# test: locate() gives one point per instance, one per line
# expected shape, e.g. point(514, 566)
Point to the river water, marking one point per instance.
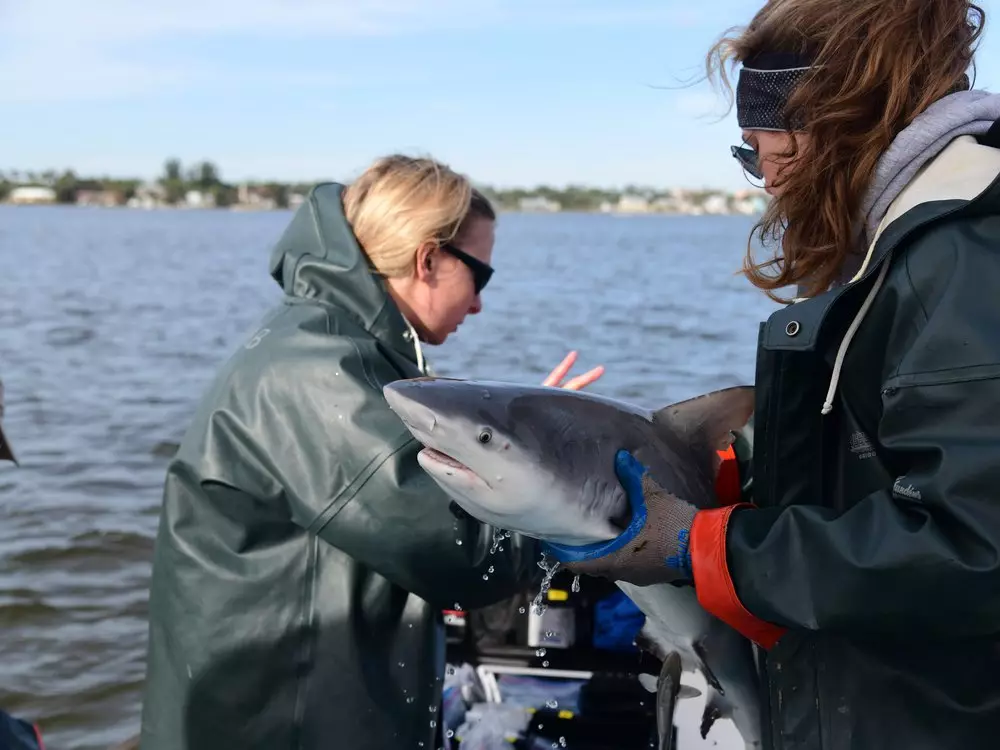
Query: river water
point(112, 322)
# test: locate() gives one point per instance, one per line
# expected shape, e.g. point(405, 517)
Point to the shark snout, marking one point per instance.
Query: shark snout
point(415, 415)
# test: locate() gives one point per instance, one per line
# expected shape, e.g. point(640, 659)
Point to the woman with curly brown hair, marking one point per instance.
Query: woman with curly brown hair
point(863, 555)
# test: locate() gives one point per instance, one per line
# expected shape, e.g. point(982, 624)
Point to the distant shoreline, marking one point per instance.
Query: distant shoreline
point(201, 186)
point(239, 209)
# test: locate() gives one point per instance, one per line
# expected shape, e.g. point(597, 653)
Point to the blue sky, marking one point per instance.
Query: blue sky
point(512, 92)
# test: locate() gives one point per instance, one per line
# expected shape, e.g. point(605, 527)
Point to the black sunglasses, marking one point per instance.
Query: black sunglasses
point(748, 159)
point(481, 272)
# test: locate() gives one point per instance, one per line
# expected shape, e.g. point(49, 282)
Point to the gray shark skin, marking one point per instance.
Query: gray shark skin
point(539, 461)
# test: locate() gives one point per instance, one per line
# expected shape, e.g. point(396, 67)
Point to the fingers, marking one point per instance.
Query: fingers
point(555, 377)
point(626, 462)
point(629, 470)
point(582, 381)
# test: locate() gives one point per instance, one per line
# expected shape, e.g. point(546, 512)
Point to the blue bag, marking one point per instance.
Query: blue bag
point(617, 621)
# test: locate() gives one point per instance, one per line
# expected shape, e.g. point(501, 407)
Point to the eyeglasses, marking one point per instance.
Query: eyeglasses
point(748, 159)
point(481, 272)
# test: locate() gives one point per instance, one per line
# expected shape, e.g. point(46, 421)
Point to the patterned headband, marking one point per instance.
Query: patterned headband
point(765, 85)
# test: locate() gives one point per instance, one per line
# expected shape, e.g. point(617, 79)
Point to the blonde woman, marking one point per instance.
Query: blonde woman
point(303, 556)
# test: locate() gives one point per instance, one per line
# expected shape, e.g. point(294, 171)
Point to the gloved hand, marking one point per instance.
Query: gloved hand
point(654, 547)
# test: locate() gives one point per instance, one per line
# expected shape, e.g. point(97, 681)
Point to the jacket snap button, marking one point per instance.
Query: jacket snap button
point(792, 329)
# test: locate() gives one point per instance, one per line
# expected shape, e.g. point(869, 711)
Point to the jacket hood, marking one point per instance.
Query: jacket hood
point(958, 114)
point(319, 258)
point(961, 113)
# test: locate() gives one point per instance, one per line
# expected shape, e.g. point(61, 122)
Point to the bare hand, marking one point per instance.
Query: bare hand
point(579, 382)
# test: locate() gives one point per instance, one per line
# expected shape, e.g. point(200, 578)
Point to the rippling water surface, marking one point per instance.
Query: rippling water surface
point(112, 322)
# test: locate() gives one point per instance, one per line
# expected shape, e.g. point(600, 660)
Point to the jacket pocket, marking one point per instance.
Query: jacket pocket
point(950, 376)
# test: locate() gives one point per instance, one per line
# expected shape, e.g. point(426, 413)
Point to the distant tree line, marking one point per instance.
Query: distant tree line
point(582, 198)
point(571, 198)
point(177, 181)
point(66, 185)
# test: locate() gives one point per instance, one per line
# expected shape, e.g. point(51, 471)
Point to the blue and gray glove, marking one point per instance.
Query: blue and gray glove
point(655, 546)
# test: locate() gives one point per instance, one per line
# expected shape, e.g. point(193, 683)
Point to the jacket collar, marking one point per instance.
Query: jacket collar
point(319, 258)
point(966, 173)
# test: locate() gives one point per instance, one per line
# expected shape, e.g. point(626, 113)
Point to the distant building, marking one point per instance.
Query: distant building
point(199, 199)
point(32, 194)
point(668, 205)
point(149, 195)
point(716, 204)
point(102, 198)
point(750, 202)
point(538, 203)
point(251, 197)
point(633, 204)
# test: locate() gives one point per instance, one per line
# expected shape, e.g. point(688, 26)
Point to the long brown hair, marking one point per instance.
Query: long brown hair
point(876, 65)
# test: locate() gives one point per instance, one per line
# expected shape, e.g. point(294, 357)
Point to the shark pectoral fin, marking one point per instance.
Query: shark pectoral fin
point(715, 703)
point(712, 712)
point(666, 699)
point(650, 684)
point(710, 678)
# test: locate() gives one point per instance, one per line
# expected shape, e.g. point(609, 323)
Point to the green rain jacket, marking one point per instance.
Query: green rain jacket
point(303, 556)
point(869, 572)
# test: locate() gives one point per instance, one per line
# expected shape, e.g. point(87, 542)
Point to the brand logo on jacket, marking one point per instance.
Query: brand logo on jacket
point(908, 491)
point(861, 445)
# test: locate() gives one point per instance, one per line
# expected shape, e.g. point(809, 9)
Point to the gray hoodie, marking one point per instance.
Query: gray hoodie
point(961, 113)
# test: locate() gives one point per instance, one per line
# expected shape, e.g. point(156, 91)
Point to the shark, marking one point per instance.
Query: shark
point(539, 461)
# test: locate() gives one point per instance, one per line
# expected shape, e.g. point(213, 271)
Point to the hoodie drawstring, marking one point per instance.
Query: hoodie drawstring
point(858, 318)
point(855, 324)
point(416, 345)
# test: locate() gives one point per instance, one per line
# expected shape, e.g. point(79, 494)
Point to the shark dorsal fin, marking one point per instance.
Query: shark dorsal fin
point(709, 421)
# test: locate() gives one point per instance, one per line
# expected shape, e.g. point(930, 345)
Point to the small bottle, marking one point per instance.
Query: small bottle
point(556, 626)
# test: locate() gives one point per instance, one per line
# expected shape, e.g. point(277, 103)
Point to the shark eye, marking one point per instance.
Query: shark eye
point(485, 436)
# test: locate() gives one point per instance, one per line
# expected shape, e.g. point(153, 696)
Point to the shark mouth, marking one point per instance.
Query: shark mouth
point(444, 458)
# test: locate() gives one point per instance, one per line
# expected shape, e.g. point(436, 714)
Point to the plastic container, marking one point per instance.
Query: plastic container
point(555, 627)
